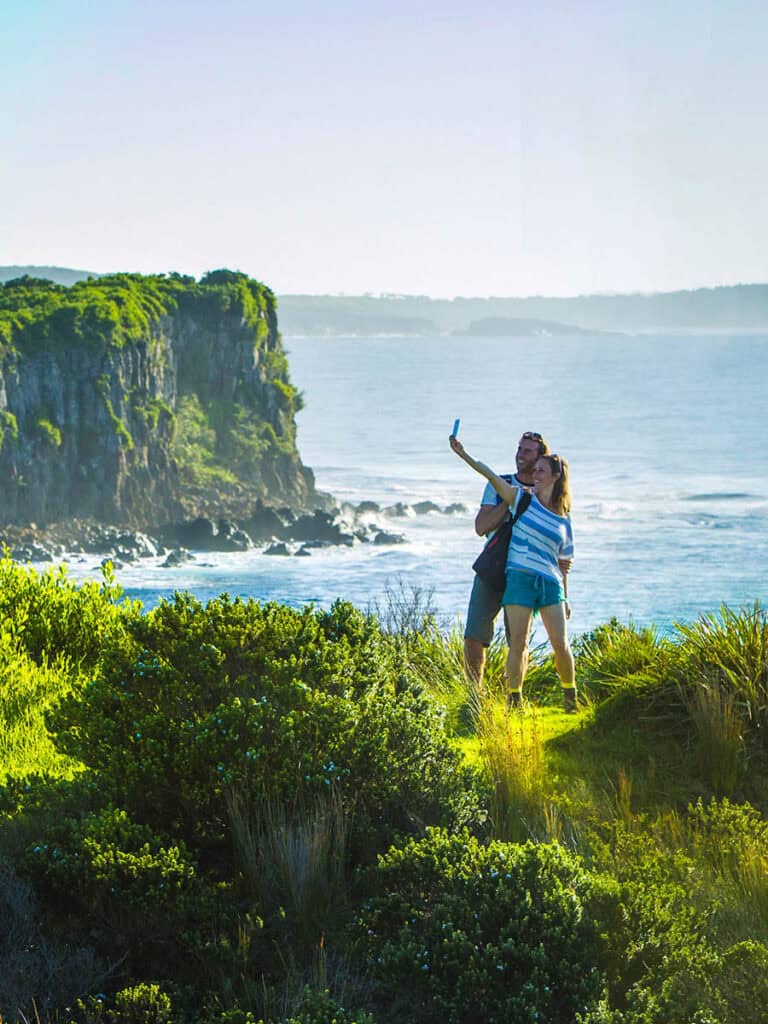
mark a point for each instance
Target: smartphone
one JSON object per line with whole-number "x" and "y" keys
{"x": 455, "y": 430}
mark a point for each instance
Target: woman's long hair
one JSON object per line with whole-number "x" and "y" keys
{"x": 561, "y": 494}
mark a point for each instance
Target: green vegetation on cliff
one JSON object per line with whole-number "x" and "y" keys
{"x": 142, "y": 398}
{"x": 236, "y": 812}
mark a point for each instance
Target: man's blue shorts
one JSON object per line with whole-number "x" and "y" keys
{"x": 532, "y": 590}
{"x": 484, "y": 606}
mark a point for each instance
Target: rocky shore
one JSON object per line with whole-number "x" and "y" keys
{"x": 277, "y": 531}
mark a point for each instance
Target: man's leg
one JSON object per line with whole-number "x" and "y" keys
{"x": 474, "y": 660}
{"x": 484, "y": 605}
{"x": 518, "y": 623}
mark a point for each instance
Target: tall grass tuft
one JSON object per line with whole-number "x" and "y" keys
{"x": 720, "y": 752}
{"x": 729, "y": 651}
{"x": 293, "y": 860}
{"x": 512, "y": 754}
{"x": 615, "y": 657}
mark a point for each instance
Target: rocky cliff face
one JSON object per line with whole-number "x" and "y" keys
{"x": 140, "y": 400}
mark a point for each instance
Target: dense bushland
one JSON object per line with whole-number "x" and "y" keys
{"x": 239, "y": 812}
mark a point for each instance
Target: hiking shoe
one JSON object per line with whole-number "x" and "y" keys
{"x": 514, "y": 701}
{"x": 570, "y": 703}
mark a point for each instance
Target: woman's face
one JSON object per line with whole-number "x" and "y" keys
{"x": 542, "y": 473}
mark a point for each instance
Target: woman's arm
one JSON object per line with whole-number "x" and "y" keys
{"x": 507, "y": 492}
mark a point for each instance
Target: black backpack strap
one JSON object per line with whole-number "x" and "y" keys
{"x": 522, "y": 505}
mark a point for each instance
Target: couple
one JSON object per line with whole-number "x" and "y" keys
{"x": 540, "y": 554}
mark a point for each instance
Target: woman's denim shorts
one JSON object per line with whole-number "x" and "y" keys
{"x": 532, "y": 590}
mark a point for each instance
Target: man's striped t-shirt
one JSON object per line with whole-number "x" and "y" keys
{"x": 539, "y": 538}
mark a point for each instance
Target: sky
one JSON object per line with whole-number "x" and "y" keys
{"x": 459, "y": 147}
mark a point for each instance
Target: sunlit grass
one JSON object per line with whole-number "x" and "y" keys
{"x": 27, "y": 691}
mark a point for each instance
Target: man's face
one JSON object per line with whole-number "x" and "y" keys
{"x": 526, "y": 456}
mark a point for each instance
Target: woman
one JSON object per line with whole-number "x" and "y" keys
{"x": 540, "y": 550}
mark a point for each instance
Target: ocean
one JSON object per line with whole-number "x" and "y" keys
{"x": 663, "y": 433}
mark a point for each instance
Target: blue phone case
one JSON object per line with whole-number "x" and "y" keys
{"x": 455, "y": 430}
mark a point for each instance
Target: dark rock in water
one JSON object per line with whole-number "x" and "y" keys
{"x": 314, "y": 544}
{"x": 422, "y": 507}
{"x": 193, "y": 533}
{"x": 138, "y": 545}
{"x": 304, "y": 552}
{"x": 277, "y": 549}
{"x": 231, "y": 538}
{"x": 32, "y": 553}
{"x": 122, "y": 556}
{"x": 368, "y": 506}
{"x": 398, "y": 510}
{"x": 265, "y": 522}
{"x": 382, "y": 537}
{"x": 177, "y": 557}
{"x": 114, "y": 562}
{"x": 203, "y": 534}
{"x": 456, "y": 509}
{"x": 318, "y": 525}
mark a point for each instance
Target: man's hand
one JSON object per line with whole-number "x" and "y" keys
{"x": 565, "y": 565}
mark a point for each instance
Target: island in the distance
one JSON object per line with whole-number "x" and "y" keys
{"x": 519, "y": 327}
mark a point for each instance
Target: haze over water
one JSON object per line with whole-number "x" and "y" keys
{"x": 664, "y": 436}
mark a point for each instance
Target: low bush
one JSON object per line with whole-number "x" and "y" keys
{"x": 461, "y": 932}
{"x": 275, "y": 703}
{"x": 51, "y": 616}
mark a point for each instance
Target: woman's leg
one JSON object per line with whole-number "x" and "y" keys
{"x": 518, "y": 621}
{"x": 553, "y": 617}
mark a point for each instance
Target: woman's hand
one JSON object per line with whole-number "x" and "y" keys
{"x": 457, "y": 446}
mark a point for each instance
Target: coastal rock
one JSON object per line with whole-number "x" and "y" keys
{"x": 279, "y": 549}
{"x": 203, "y": 534}
{"x": 32, "y": 553}
{"x": 368, "y": 506}
{"x": 383, "y": 537}
{"x": 322, "y": 526}
{"x": 423, "y": 507}
{"x": 177, "y": 557}
{"x": 266, "y": 522}
{"x": 399, "y": 510}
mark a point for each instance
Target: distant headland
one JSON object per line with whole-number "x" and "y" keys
{"x": 742, "y": 307}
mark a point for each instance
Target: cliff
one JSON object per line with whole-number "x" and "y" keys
{"x": 138, "y": 400}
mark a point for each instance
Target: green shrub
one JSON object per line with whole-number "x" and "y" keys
{"x": 53, "y": 617}
{"x": 277, "y": 703}
{"x": 320, "y": 1007}
{"x": 460, "y": 932}
{"x": 145, "y": 1003}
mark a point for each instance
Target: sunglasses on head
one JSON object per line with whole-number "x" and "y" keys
{"x": 531, "y": 435}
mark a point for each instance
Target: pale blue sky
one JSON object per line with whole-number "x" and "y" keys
{"x": 461, "y": 148}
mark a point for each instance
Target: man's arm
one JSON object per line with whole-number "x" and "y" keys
{"x": 490, "y": 517}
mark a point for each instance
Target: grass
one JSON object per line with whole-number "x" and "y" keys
{"x": 27, "y": 691}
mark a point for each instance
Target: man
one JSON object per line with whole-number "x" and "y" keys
{"x": 484, "y": 602}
